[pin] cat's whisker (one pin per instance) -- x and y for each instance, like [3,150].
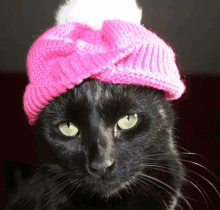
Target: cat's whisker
[202,178]
[179,153]
[153,183]
[39,185]
[65,192]
[130,187]
[192,162]
[162,188]
[48,193]
[59,190]
[183,148]
[203,168]
[155,192]
[196,154]
[75,189]
[57,186]
[202,193]
[71,184]
[155,155]
[168,153]
[125,187]
[156,167]
[168,186]
[193,184]
[92,195]
[119,195]
[142,189]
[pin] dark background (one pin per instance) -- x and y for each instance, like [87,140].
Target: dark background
[190,27]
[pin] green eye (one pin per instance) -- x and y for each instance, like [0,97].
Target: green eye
[128,121]
[68,129]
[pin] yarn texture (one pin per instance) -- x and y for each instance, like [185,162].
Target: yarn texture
[120,52]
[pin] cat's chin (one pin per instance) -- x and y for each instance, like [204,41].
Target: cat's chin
[108,190]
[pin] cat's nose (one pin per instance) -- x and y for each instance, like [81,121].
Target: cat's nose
[102,167]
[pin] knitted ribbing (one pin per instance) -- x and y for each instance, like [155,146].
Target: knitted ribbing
[120,52]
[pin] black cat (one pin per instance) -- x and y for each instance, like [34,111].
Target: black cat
[105,146]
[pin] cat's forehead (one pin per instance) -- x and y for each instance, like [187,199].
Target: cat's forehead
[108,97]
[94,91]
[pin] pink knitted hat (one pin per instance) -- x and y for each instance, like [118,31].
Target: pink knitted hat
[119,52]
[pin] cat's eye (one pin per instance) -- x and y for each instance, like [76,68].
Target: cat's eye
[128,121]
[68,129]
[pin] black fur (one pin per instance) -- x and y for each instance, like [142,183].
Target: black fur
[143,167]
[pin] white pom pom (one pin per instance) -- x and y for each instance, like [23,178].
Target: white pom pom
[94,12]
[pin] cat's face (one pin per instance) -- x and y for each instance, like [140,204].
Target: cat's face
[110,137]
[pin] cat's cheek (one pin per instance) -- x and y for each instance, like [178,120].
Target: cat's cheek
[66,149]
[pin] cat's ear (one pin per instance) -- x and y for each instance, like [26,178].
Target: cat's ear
[94,12]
